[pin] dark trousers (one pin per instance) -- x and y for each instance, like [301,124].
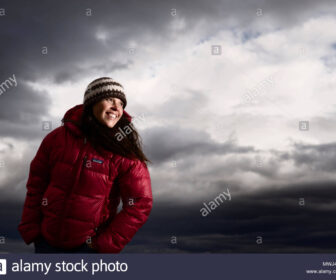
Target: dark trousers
[43,247]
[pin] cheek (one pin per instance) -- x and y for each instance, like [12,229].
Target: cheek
[98,109]
[102,111]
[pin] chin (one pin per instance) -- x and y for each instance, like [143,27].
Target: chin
[111,125]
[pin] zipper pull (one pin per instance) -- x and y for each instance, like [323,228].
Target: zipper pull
[84,140]
[84,160]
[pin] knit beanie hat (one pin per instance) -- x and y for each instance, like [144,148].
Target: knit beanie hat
[102,88]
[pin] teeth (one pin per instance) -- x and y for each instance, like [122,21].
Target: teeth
[113,116]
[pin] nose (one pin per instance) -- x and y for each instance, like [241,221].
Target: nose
[114,108]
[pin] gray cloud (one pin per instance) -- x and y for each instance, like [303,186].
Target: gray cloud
[80,46]
[23,110]
[318,157]
[23,105]
[70,35]
[168,142]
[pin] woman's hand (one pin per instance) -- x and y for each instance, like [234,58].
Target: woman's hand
[90,245]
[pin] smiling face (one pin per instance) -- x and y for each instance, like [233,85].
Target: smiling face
[108,111]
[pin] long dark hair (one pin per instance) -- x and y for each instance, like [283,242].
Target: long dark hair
[103,137]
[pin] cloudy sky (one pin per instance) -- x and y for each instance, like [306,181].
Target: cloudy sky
[228,96]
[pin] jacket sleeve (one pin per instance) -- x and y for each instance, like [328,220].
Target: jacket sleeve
[136,195]
[38,180]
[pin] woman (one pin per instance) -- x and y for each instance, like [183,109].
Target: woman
[81,171]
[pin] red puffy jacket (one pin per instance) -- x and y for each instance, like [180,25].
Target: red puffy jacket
[73,192]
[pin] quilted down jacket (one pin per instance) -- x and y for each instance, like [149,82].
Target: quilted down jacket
[73,192]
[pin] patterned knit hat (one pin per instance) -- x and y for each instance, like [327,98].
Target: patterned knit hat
[102,88]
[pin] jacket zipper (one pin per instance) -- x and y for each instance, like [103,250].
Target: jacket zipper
[84,161]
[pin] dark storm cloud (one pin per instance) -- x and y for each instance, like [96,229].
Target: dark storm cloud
[319,157]
[23,105]
[168,142]
[70,35]
[77,71]
[234,226]
[22,110]
[10,216]
[275,215]
[73,49]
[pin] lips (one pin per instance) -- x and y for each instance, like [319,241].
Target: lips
[111,115]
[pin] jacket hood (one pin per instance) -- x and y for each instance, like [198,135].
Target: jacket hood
[72,118]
